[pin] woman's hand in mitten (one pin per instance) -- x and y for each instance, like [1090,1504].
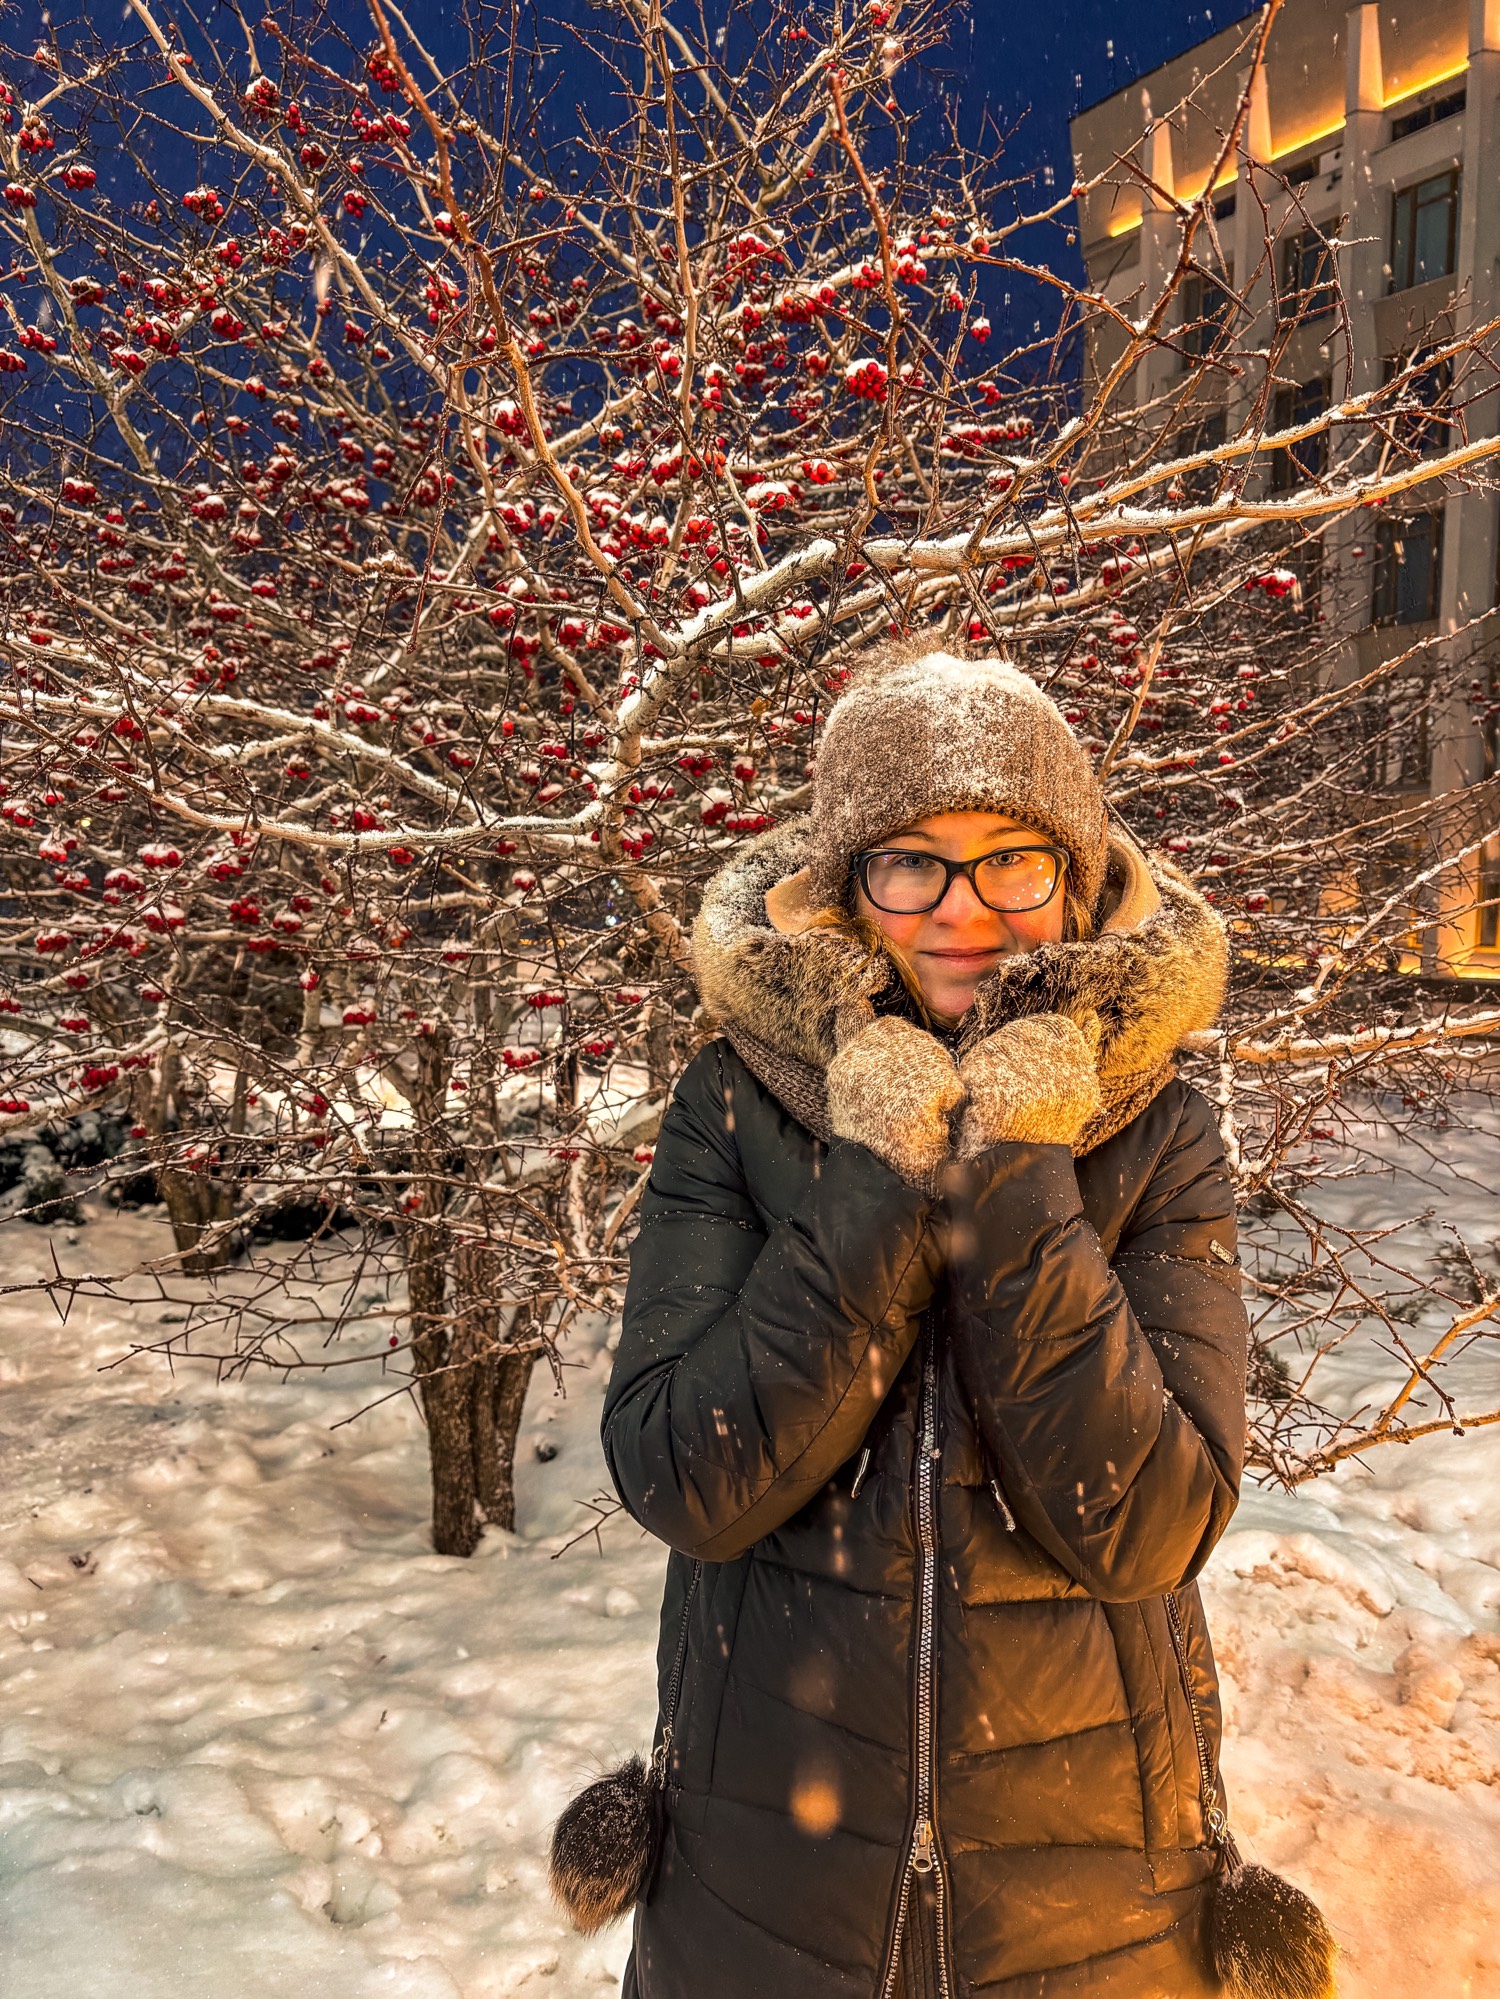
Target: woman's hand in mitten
[893,1088]
[1033,1079]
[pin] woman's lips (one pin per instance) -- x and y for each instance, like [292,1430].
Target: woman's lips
[975,957]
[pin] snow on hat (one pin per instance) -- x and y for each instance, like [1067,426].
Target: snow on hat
[938,734]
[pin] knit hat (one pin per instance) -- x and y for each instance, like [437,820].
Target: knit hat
[938,734]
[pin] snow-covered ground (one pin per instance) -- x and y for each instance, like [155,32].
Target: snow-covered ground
[255,1739]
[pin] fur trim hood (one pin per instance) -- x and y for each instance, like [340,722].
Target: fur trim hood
[778,981]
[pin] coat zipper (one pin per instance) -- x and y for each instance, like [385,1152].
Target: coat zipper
[924,1857]
[662,1753]
[1215,1818]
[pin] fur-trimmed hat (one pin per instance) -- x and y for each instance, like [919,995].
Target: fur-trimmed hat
[938,734]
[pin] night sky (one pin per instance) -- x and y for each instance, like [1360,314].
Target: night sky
[1019,69]
[1033,66]
[1022,69]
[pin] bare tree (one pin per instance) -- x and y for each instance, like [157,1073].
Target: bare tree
[421,568]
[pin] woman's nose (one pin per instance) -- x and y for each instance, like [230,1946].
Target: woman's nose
[960,904]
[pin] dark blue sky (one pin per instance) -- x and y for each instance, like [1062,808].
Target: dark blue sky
[1035,64]
[1026,65]
[1029,65]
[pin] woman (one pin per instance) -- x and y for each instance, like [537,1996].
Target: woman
[932,1378]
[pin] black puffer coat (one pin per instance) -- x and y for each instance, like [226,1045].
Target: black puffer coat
[929,1470]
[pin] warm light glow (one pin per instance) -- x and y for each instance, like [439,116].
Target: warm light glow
[1226,179]
[1428,82]
[1307,139]
[815,1806]
[1122,225]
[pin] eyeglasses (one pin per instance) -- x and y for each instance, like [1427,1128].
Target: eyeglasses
[905,883]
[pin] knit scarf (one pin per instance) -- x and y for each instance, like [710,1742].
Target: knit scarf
[786,990]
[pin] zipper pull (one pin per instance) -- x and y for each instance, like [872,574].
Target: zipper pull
[656,1776]
[859,1472]
[1005,1513]
[923,1852]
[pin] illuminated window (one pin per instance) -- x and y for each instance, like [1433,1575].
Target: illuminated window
[1309,277]
[1424,231]
[1309,459]
[1408,562]
[1206,305]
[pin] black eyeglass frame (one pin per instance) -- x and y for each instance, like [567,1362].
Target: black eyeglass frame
[951,868]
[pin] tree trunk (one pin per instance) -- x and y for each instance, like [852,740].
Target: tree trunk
[438,1354]
[512,1376]
[498,1383]
[194,1202]
[440,1349]
[659,1047]
[194,1205]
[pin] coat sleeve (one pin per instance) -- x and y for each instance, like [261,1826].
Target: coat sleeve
[753,1357]
[1111,1398]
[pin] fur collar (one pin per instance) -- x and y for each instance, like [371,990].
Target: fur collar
[771,975]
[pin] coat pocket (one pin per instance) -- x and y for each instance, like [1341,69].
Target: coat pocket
[1165,1749]
[709,1663]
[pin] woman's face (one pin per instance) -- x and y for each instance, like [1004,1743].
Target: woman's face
[950,948]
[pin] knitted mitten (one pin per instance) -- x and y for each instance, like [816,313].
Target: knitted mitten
[1033,1079]
[892,1089]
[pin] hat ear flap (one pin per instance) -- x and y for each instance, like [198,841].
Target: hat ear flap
[792,907]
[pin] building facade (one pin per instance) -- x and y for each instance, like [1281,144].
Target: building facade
[1372,148]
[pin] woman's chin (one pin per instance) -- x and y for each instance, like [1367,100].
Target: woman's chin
[950,1001]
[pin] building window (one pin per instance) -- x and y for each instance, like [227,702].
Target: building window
[1428,114]
[1309,277]
[1424,419]
[1489,898]
[1203,481]
[1408,560]
[1308,561]
[1309,459]
[1424,231]
[1206,305]
[1398,754]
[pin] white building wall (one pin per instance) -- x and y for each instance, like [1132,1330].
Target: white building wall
[1394,58]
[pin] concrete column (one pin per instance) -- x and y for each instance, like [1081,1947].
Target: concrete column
[1245,237]
[1161,240]
[1362,277]
[1469,526]
[1362,260]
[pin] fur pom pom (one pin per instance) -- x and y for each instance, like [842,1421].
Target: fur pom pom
[1269,1940]
[603,1847]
